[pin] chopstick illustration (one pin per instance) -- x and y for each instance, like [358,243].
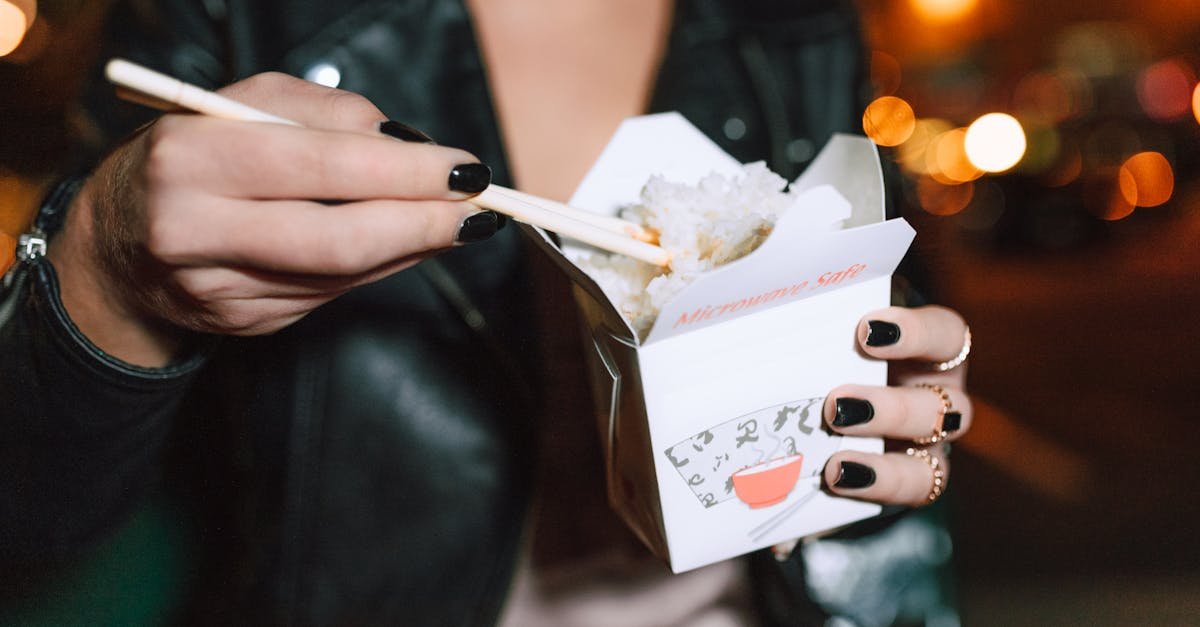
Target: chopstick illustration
[147,87]
[758,533]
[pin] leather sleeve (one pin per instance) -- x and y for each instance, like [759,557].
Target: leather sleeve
[80,431]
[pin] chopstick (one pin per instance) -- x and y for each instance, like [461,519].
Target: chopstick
[148,87]
[610,223]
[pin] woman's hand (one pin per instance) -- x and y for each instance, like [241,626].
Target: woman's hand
[217,226]
[911,414]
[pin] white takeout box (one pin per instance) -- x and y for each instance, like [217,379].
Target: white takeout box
[703,420]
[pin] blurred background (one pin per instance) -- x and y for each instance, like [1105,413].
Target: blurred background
[1050,153]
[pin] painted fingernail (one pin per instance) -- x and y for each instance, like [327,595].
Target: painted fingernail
[404,132]
[952,421]
[477,227]
[852,411]
[501,220]
[881,333]
[470,178]
[854,475]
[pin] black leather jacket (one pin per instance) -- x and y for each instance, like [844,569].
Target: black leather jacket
[370,464]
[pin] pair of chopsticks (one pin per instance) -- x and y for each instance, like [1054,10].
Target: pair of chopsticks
[150,88]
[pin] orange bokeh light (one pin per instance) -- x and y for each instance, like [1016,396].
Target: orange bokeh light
[912,153]
[1146,179]
[947,158]
[1103,196]
[943,10]
[943,200]
[889,121]
[1196,103]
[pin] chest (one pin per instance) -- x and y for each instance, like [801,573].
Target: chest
[563,75]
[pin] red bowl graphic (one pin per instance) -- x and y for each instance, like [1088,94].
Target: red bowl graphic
[769,482]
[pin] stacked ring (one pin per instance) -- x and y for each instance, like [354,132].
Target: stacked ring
[947,421]
[938,484]
[956,361]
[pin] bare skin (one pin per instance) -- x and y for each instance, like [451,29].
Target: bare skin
[205,225]
[564,75]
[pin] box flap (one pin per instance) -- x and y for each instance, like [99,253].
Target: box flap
[801,258]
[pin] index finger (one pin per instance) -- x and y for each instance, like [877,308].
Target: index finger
[930,333]
[271,161]
[307,103]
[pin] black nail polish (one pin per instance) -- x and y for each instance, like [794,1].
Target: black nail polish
[880,333]
[470,178]
[477,227]
[501,221]
[854,475]
[404,132]
[952,421]
[852,411]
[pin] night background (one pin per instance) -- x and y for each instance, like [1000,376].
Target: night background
[1065,230]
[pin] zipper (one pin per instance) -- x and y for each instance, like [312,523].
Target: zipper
[30,248]
[32,245]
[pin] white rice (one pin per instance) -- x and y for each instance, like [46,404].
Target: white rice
[704,226]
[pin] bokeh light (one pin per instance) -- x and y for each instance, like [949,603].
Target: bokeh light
[1103,197]
[1146,179]
[943,10]
[889,121]
[912,153]
[16,16]
[995,142]
[1196,103]
[947,159]
[1067,169]
[940,199]
[1049,97]
[1165,90]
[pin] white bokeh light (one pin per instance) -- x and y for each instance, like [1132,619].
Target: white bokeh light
[16,16]
[995,142]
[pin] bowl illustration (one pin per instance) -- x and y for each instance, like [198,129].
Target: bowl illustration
[769,482]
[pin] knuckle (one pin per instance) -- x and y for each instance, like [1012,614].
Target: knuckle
[351,110]
[264,82]
[162,151]
[163,240]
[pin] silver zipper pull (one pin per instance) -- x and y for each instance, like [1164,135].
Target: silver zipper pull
[31,246]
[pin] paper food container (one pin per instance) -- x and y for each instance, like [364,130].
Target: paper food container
[712,428]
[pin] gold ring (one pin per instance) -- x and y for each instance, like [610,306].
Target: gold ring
[956,361]
[938,484]
[947,419]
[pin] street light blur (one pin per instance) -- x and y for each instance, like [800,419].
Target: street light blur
[995,142]
[16,18]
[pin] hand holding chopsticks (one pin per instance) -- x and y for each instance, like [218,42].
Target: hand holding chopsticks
[158,90]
